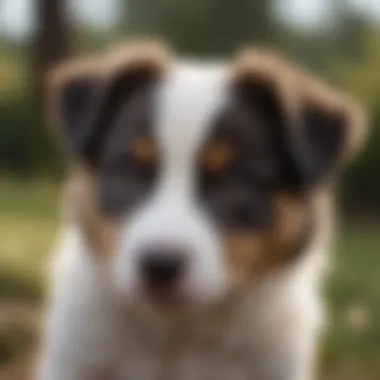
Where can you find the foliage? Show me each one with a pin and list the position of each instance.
(360, 76)
(25, 147)
(206, 27)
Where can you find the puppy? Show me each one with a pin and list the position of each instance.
(198, 216)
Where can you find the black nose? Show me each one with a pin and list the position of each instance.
(162, 268)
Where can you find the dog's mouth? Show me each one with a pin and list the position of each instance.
(167, 299)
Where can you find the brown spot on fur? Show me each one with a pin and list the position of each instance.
(145, 151)
(82, 196)
(217, 156)
(245, 250)
(252, 254)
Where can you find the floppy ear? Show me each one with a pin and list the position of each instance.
(313, 129)
(71, 91)
(331, 130)
(86, 95)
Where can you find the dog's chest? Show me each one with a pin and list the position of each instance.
(199, 360)
(189, 363)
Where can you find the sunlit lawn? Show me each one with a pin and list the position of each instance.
(28, 226)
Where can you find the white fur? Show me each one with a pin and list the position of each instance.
(186, 103)
(268, 333)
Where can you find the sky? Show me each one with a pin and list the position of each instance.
(17, 19)
(309, 13)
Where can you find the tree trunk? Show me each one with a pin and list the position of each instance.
(52, 42)
(53, 32)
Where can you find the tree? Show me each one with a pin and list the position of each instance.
(52, 39)
(52, 44)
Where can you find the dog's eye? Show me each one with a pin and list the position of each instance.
(144, 151)
(217, 157)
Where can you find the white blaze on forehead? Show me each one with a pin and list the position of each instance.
(187, 101)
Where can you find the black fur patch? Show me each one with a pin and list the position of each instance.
(75, 105)
(239, 197)
(102, 118)
(125, 180)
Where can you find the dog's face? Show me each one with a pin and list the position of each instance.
(197, 179)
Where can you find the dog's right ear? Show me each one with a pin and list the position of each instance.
(84, 96)
(314, 128)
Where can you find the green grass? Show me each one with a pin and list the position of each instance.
(351, 351)
(28, 224)
(352, 344)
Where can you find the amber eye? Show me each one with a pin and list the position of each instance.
(144, 151)
(218, 156)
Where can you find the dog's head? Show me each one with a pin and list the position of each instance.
(193, 178)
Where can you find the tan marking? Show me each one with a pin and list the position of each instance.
(252, 254)
(144, 151)
(217, 156)
(81, 195)
(245, 251)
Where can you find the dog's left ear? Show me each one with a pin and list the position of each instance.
(85, 95)
(71, 90)
(314, 129)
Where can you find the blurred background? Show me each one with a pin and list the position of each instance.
(338, 39)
